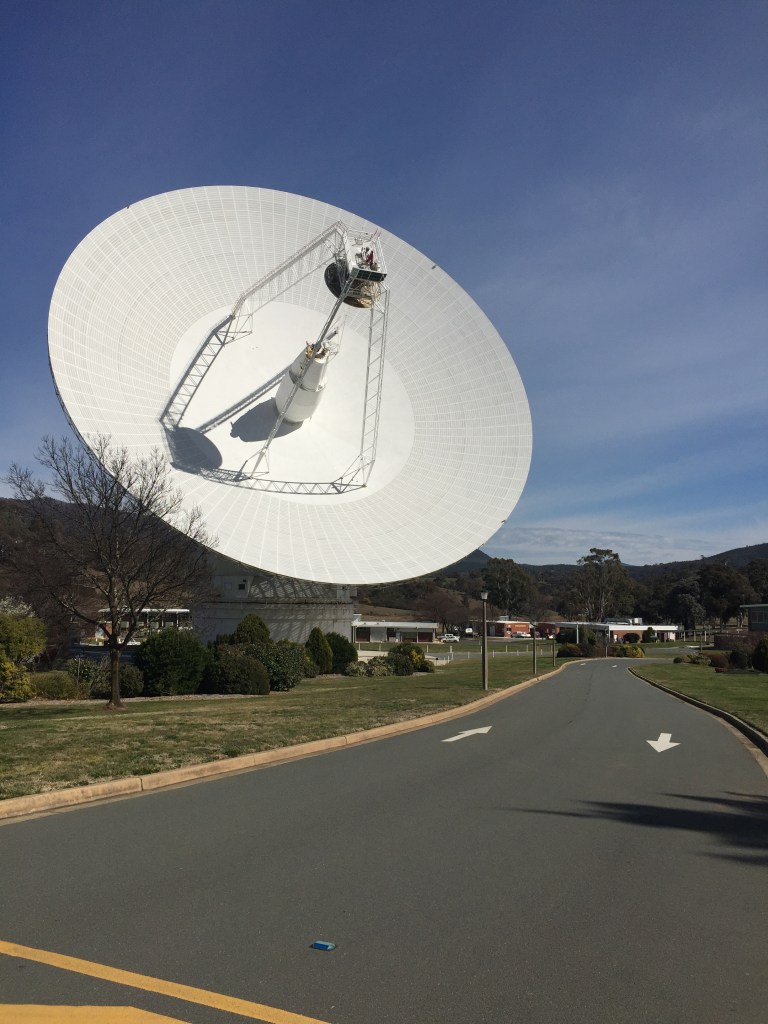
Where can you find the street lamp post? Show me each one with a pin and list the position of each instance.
(535, 631)
(484, 638)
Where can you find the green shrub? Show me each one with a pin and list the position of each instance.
(91, 672)
(59, 685)
(310, 668)
(697, 659)
(15, 687)
(252, 630)
(379, 667)
(402, 664)
(631, 638)
(96, 675)
(586, 636)
(22, 638)
(569, 650)
(356, 668)
(284, 662)
(408, 650)
(344, 652)
(744, 642)
(634, 651)
(427, 665)
(234, 671)
(131, 680)
(173, 661)
(760, 655)
(649, 635)
(319, 650)
(678, 660)
(588, 650)
(738, 659)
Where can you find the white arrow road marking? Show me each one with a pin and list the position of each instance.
(468, 732)
(664, 742)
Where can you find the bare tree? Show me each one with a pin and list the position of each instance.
(118, 538)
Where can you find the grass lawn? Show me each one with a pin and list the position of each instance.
(743, 694)
(46, 747)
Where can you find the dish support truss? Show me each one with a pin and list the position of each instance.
(332, 243)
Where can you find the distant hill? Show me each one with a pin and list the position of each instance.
(737, 558)
(474, 562)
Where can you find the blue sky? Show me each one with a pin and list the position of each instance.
(595, 175)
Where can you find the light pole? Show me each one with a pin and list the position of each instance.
(535, 631)
(484, 638)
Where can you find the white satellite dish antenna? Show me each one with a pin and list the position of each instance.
(338, 407)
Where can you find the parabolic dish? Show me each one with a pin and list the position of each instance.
(140, 293)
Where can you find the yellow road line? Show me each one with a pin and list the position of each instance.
(81, 1015)
(229, 1004)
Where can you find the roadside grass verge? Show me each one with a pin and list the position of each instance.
(663, 650)
(45, 747)
(742, 694)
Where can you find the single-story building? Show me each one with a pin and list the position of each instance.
(383, 631)
(508, 628)
(757, 617)
(618, 629)
(614, 630)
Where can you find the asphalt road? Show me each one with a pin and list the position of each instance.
(555, 870)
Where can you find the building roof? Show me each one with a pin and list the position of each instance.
(395, 625)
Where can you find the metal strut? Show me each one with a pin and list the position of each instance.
(359, 279)
(273, 284)
(308, 357)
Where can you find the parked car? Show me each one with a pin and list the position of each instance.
(450, 638)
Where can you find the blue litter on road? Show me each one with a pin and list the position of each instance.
(323, 945)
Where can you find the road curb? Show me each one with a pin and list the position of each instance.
(758, 743)
(40, 802)
(61, 799)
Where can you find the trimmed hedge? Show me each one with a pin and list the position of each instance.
(402, 664)
(284, 662)
(59, 685)
(251, 630)
(234, 671)
(173, 662)
(569, 650)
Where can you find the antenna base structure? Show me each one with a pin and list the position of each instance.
(355, 277)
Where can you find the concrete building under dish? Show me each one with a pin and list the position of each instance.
(289, 607)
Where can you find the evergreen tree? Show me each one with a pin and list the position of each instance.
(319, 650)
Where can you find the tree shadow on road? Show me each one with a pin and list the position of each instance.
(736, 820)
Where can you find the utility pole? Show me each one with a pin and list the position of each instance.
(484, 643)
